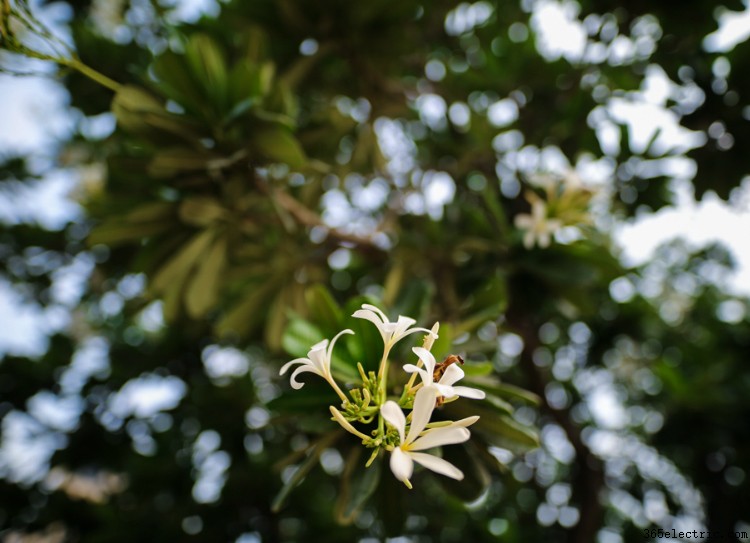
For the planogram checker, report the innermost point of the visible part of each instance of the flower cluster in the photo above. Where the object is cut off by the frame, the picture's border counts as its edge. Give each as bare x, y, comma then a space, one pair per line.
565, 203
404, 436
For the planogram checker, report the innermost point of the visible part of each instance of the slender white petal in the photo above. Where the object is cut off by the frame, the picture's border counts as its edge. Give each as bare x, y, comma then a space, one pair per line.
391, 332
373, 318
296, 385
319, 345
426, 377
402, 325
437, 437
401, 464
468, 392
452, 374
528, 239
329, 353
426, 357
468, 421
412, 331
524, 221
319, 360
291, 363
374, 309
394, 416
433, 463
424, 405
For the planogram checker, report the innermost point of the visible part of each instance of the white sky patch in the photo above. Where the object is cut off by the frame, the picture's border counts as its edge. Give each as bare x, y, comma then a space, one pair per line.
147, 395
25, 326
558, 32
38, 116
58, 412
26, 448
699, 223
189, 11
221, 364
734, 28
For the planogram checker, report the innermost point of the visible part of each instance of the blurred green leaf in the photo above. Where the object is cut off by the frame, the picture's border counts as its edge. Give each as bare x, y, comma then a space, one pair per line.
277, 144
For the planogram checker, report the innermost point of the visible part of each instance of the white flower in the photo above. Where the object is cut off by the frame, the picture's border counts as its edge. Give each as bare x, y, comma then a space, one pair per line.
444, 387
539, 228
405, 454
391, 332
318, 361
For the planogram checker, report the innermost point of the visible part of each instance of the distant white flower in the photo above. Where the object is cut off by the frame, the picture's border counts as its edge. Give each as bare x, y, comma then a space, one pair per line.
443, 387
318, 361
405, 454
391, 332
539, 228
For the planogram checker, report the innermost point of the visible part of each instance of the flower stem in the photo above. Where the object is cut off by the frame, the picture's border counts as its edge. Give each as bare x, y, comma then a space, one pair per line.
346, 425
92, 74
343, 397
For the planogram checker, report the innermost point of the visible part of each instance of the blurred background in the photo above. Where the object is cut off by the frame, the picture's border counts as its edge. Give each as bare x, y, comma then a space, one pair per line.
194, 192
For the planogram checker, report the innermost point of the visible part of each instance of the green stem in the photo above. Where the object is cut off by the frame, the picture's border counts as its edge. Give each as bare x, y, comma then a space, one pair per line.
343, 397
92, 74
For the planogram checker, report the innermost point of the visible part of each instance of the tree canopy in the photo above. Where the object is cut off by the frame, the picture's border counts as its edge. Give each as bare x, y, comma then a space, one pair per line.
251, 176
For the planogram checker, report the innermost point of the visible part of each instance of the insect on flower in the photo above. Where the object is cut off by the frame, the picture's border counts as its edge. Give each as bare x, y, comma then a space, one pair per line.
442, 366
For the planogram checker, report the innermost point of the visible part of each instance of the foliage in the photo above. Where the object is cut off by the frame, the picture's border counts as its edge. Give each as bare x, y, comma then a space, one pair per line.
278, 165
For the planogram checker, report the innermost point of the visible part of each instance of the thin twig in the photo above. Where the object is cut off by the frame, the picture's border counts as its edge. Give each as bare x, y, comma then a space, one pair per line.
303, 215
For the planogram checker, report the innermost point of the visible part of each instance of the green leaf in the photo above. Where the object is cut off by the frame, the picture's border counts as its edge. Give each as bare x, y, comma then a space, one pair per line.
201, 211
177, 269
489, 302
477, 477
131, 103
206, 61
299, 475
312, 398
497, 429
358, 484
203, 290
117, 233
324, 311
244, 317
299, 336
169, 162
277, 144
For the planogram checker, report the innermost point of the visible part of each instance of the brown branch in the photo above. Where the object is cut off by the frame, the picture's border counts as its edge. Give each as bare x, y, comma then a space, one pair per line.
589, 478
306, 217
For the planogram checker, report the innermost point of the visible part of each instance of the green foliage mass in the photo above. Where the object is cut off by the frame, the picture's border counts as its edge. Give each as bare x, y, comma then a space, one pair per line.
215, 249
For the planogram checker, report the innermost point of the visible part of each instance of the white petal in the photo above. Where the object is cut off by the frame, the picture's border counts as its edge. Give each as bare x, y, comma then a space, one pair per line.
426, 377
288, 365
401, 464
524, 221
319, 360
320, 345
452, 374
394, 416
468, 421
426, 357
528, 239
424, 404
446, 435
438, 465
402, 325
544, 239
333, 341
468, 392
296, 385
414, 331
370, 307
373, 318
